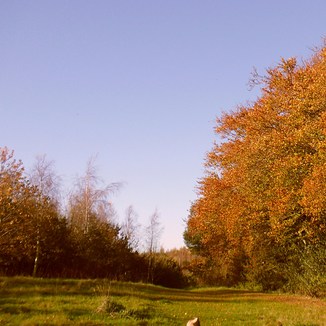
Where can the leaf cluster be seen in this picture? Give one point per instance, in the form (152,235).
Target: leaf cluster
(37,239)
(264,193)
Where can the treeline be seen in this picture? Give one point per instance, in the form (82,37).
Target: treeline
(260,215)
(39,237)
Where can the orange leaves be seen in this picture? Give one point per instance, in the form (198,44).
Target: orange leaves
(314,192)
(266,180)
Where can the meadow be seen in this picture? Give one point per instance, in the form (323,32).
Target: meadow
(34,301)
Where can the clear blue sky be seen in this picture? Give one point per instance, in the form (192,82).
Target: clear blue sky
(139,83)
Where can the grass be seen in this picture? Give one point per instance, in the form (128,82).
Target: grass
(28,301)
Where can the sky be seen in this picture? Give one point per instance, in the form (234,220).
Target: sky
(139,84)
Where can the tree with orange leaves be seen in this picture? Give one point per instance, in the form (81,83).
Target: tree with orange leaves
(262,204)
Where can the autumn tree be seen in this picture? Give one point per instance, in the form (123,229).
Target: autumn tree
(17,211)
(261,206)
(36,239)
(182,256)
(48,223)
(32,232)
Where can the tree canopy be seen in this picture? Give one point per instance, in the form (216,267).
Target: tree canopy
(38,239)
(261,207)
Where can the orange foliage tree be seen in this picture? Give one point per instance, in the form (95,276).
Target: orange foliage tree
(261,206)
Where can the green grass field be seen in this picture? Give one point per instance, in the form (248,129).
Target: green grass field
(28,301)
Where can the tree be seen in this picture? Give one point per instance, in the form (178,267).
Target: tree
(17,211)
(44,177)
(99,251)
(130,228)
(262,200)
(47,217)
(89,201)
(153,233)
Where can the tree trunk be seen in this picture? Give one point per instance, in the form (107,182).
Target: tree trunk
(37,254)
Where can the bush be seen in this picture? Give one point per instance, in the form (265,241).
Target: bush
(307,273)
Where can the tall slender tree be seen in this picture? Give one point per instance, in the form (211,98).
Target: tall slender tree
(130,228)
(47,182)
(153,233)
(89,200)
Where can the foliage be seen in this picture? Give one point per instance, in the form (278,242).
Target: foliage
(28,221)
(35,239)
(167,272)
(264,196)
(308,274)
(15,196)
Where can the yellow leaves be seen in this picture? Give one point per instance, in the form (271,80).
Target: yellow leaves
(271,166)
(314,191)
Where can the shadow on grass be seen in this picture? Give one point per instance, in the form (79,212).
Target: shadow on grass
(13,289)
(17,289)
(13,308)
(150,292)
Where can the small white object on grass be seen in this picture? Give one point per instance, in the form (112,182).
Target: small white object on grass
(193,322)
